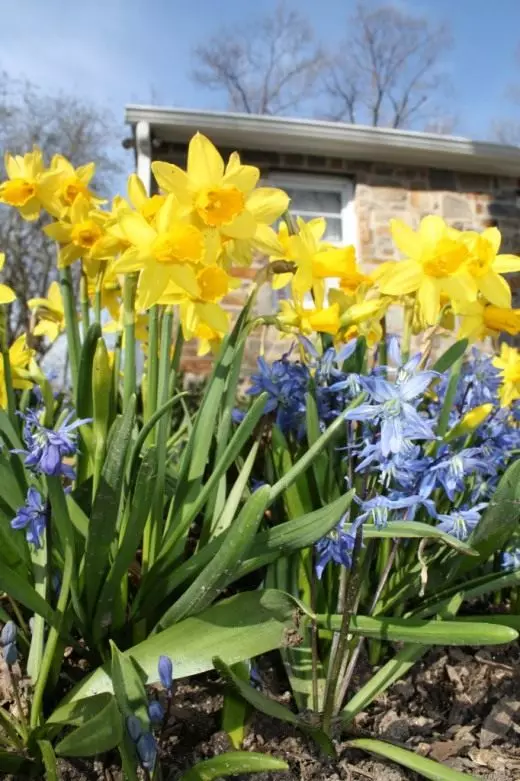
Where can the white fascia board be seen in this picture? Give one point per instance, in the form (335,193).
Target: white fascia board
(316,137)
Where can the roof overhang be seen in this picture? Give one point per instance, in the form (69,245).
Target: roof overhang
(334,139)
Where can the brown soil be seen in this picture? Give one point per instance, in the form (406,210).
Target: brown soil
(459,706)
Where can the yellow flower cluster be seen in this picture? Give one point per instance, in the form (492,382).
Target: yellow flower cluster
(186,245)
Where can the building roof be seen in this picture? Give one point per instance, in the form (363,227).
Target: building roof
(334,139)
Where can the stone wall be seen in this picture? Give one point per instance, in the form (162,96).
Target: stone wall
(468,201)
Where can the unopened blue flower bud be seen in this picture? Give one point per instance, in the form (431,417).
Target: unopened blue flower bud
(165,668)
(147,750)
(10,653)
(8,634)
(133,725)
(156,712)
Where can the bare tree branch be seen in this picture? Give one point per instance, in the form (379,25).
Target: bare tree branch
(271,66)
(387,72)
(57,124)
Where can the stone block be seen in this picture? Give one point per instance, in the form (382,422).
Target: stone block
(456,207)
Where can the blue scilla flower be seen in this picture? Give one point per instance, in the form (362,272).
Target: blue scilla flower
(285,383)
(46,448)
(460,522)
(337,546)
(510,559)
(452,469)
(32,517)
(378,508)
(390,405)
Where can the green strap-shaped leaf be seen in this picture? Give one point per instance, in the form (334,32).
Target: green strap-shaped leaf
(101,733)
(233,763)
(80,712)
(130,538)
(272,708)
(235,709)
(18,765)
(8,431)
(233,449)
(413,630)
(296,496)
(380,681)
(21,591)
(104,516)
(266,547)
(225,518)
(244,626)
(49,760)
(84,406)
(501,517)
(452,354)
(213,578)
(425,767)
(416,530)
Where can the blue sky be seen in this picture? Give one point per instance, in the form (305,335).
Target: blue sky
(121,51)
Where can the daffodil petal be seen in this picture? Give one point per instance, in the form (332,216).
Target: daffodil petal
(495,289)
(205,164)
(136,229)
(267,204)
(7,295)
(405,239)
(404,279)
(506,264)
(172,179)
(428,297)
(242,227)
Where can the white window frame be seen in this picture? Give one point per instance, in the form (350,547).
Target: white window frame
(336,184)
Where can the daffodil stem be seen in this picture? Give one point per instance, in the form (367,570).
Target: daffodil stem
(383,347)
(155,523)
(337,659)
(71,324)
(407,333)
(152,372)
(60,517)
(8,376)
(84,302)
(129,380)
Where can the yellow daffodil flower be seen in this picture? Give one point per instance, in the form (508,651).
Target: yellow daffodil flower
(435,263)
(222,198)
(208,340)
(49,313)
(485,265)
(7,294)
(139,200)
(62,184)
(294,318)
(509,364)
(480,319)
(85,236)
(21,190)
(20,356)
(315,260)
(168,251)
(213,284)
(359,316)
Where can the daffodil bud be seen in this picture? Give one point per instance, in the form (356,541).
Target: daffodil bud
(469,422)
(101,389)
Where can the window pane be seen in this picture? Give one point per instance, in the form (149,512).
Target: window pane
(314,201)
